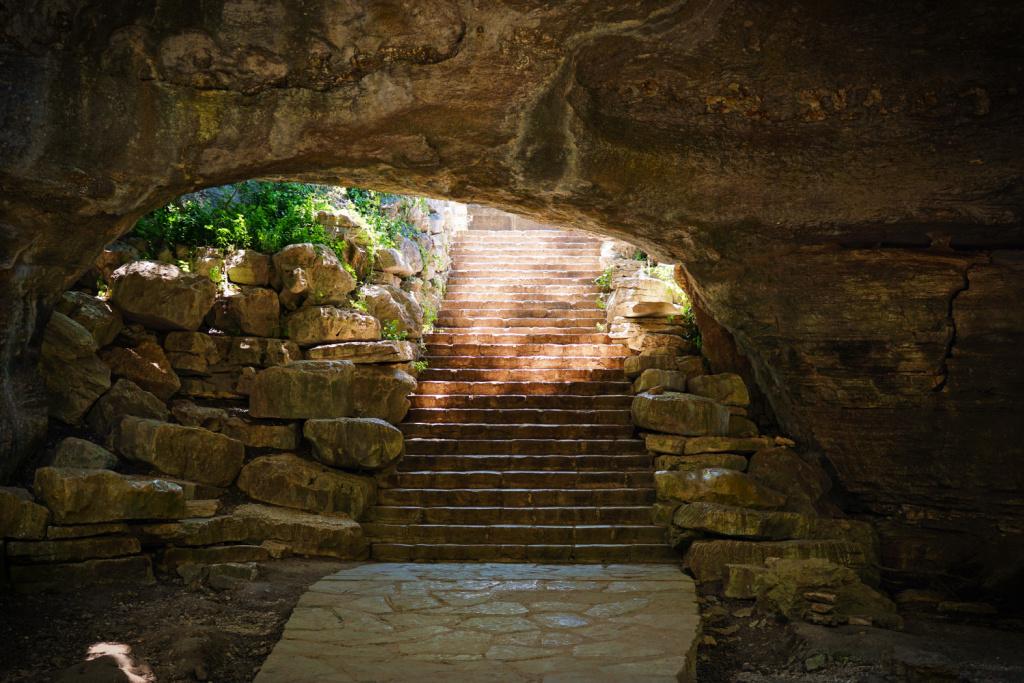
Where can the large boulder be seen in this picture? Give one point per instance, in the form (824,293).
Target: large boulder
(384,351)
(354,443)
(804,482)
(161,296)
(771,525)
(677,413)
(327,324)
(818,590)
(381,392)
(75,452)
(669,380)
(725,444)
(690,463)
(248,267)
(74,375)
(246,310)
(689,366)
(20,516)
(727,388)
(716,485)
(146,365)
(290,481)
(641,296)
(392,261)
(190,452)
(113,257)
(412,254)
(124,398)
(258,352)
(709,560)
(77,496)
(92,313)
(395,308)
(311,274)
(304,389)
(191,352)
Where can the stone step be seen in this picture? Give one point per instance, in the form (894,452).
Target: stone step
(547,316)
(439,446)
(638,515)
(524,238)
(576,322)
(515,255)
(482,273)
(519,375)
(527,350)
(540,291)
(489,479)
(515,497)
(519,339)
(579,463)
(496,265)
(484,431)
(496,298)
(579,554)
(514,534)
(520,416)
(534,362)
(533,334)
(530,388)
(514,401)
(488,278)
(511,303)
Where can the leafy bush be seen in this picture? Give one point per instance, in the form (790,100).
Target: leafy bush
(388,216)
(260,215)
(389,330)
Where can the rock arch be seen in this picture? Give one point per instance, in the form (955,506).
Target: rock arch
(842,182)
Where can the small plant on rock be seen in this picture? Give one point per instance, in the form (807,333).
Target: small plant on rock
(389,330)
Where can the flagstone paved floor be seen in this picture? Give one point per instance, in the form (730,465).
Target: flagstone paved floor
(491,622)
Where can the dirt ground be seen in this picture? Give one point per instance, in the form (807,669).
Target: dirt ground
(168,633)
(742,646)
(171,633)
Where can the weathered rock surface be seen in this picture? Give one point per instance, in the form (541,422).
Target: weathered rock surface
(725,444)
(20,516)
(690,463)
(773,525)
(289,481)
(191,352)
(384,351)
(75,376)
(641,296)
(708,560)
(672,444)
(248,267)
(393,261)
(146,365)
(257,352)
(381,392)
(726,388)
(75,452)
(354,443)
(785,587)
(282,437)
(124,398)
(393,306)
(190,452)
(677,413)
(72,550)
(803,482)
(716,485)
(303,389)
(244,310)
(112,257)
(327,324)
(77,575)
(76,496)
(310,274)
(161,296)
(92,313)
(670,380)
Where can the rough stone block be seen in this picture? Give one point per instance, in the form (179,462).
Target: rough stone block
(683,414)
(304,389)
(716,485)
(20,516)
(726,388)
(190,452)
(161,296)
(77,496)
(354,443)
(290,481)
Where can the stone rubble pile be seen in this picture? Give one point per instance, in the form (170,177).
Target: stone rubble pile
(750,513)
(193,391)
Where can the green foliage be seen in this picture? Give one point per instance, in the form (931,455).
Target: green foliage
(429,317)
(686,319)
(419,365)
(261,215)
(389,330)
(604,280)
(601,303)
(388,217)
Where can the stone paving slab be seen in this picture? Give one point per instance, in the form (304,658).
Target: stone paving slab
(380,622)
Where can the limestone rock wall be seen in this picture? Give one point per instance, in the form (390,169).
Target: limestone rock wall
(238,376)
(842,181)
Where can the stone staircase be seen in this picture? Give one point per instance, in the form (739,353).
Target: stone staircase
(519,444)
